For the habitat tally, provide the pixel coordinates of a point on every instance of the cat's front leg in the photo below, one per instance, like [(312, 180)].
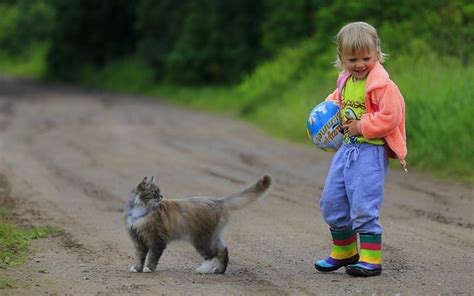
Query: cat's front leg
[(154, 255), (140, 255), (141, 250)]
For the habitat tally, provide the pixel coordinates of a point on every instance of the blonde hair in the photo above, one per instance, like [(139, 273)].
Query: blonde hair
[(357, 37)]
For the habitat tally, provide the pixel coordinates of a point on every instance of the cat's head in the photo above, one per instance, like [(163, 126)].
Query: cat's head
[(147, 191)]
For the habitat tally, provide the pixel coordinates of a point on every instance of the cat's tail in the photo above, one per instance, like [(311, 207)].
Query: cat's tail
[(248, 195)]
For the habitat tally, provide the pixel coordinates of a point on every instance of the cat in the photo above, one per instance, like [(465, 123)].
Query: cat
[(153, 221)]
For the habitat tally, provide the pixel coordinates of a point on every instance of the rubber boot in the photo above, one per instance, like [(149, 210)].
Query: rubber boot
[(344, 251), (370, 262)]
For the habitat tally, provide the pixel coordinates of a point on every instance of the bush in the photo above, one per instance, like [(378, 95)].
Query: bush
[(199, 42), (159, 24), (281, 29), (90, 32), (24, 23)]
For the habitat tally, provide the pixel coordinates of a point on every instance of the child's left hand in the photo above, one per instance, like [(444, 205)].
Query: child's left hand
[(351, 127)]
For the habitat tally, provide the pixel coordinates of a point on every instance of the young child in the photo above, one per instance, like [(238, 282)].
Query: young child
[(373, 116)]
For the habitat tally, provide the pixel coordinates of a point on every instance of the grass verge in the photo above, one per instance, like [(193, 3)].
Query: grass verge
[(14, 242), (31, 63)]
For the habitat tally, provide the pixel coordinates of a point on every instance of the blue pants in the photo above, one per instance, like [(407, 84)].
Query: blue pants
[(353, 192)]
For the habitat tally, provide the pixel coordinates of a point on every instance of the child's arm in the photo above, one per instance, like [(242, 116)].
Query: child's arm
[(387, 119)]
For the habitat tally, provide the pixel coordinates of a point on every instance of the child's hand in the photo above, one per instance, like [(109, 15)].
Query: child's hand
[(351, 127)]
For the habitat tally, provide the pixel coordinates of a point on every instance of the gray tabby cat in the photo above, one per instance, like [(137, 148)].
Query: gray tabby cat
[(153, 221)]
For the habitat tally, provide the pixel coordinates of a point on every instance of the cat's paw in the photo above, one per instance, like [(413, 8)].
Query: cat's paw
[(147, 269), (211, 266), (134, 269)]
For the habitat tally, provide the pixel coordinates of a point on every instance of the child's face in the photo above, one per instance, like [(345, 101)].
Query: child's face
[(359, 64)]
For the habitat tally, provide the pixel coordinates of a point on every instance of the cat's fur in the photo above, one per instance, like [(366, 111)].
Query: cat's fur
[(153, 221)]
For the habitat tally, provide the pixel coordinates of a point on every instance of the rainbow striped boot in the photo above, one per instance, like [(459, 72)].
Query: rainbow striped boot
[(370, 262), (344, 251)]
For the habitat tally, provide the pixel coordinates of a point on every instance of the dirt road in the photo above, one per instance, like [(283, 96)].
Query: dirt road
[(68, 158)]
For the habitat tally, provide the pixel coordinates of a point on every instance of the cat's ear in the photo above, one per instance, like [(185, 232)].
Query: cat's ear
[(144, 183), (153, 179)]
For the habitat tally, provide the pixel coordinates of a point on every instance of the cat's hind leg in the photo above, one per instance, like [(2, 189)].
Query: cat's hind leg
[(214, 253), (222, 253), (223, 257)]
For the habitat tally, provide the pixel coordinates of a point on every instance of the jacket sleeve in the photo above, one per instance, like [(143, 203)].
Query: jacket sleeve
[(334, 96), (387, 119)]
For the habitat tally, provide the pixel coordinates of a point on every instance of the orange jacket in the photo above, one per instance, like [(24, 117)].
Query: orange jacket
[(385, 117)]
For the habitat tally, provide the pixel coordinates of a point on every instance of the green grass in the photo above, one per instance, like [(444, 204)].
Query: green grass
[(14, 244), (29, 64), (217, 99), (127, 76), (6, 282), (439, 100)]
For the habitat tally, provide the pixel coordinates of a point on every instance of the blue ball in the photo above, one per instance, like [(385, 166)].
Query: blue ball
[(324, 126)]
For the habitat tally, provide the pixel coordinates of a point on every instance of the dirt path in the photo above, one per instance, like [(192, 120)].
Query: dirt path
[(69, 158)]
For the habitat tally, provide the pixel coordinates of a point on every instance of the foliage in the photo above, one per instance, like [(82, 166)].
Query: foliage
[(272, 78), (129, 76), (23, 23), (286, 23), (90, 32), (159, 24), (213, 42), (218, 41), (445, 27), (31, 63)]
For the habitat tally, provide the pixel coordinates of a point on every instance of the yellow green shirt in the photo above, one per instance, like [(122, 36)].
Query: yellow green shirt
[(353, 107)]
